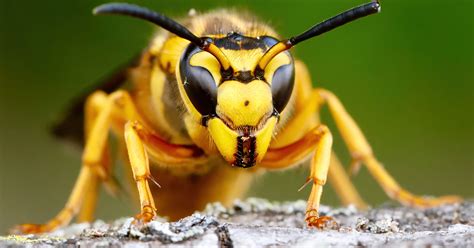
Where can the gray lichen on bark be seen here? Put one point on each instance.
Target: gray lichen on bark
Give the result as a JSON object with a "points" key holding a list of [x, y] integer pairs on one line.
{"points": [[258, 222]]}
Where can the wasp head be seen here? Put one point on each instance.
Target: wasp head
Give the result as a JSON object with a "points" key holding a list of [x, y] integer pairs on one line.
{"points": [[239, 104]]}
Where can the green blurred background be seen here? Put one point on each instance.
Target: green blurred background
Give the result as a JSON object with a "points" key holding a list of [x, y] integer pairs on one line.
{"points": [[406, 75]]}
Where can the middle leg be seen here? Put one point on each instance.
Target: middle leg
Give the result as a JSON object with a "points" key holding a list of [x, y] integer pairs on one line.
{"points": [[84, 192], [362, 153]]}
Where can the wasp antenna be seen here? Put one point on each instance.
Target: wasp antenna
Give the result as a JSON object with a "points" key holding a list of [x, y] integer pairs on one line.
{"points": [[149, 15], [164, 22], [337, 21], [321, 28]]}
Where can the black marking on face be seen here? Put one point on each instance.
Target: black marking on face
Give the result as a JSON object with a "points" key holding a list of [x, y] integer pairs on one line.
{"points": [[246, 157], [199, 84], [240, 76], [236, 41], [244, 76]]}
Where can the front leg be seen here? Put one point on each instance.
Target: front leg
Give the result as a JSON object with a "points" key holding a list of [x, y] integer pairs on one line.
{"points": [[319, 142], [103, 112], [141, 172]]}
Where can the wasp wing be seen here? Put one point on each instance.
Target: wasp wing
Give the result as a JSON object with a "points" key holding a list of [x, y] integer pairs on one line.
{"points": [[71, 126]]}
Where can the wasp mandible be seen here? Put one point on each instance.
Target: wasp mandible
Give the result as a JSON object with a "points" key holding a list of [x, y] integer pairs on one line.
{"points": [[212, 101]]}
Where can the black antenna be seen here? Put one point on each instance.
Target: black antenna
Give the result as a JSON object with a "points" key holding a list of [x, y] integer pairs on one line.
{"points": [[149, 15], [321, 28], [164, 22], [337, 21]]}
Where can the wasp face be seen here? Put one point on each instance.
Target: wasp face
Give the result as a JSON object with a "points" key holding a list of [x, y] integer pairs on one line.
{"points": [[240, 105]]}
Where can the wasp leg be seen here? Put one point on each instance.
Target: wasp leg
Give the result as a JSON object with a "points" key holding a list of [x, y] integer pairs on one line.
{"points": [[140, 142], [91, 110], [84, 192], [113, 111], [307, 105], [319, 142], [141, 171], [93, 107], [362, 153], [138, 136]]}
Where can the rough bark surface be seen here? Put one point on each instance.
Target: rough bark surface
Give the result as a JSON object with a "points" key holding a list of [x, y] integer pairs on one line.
{"points": [[259, 223]]}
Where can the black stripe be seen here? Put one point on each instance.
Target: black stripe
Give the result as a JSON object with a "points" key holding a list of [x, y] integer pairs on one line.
{"points": [[235, 41]]}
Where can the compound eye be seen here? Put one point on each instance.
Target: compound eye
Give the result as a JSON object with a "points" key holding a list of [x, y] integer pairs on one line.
{"points": [[198, 82], [282, 85]]}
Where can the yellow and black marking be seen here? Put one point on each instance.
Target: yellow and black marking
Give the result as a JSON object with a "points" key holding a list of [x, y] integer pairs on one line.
{"points": [[208, 94]]}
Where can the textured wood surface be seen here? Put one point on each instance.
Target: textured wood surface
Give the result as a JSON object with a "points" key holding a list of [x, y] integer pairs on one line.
{"points": [[257, 223]]}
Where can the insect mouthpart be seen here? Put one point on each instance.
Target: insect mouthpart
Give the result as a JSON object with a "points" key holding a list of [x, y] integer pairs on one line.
{"points": [[246, 155]]}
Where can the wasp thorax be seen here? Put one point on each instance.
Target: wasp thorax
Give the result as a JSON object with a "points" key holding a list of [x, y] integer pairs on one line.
{"points": [[241, 104]]}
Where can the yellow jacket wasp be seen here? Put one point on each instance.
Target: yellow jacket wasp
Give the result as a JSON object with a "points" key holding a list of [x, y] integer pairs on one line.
{"points": [[211, 102]]}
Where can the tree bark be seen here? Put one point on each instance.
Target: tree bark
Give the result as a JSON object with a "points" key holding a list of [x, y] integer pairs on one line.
{"points": [[258, 223]]}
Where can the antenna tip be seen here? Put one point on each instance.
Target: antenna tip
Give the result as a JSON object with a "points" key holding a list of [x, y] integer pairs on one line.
{"points": [[100, 9], [110, 8], [96, 11], [377, 6]]}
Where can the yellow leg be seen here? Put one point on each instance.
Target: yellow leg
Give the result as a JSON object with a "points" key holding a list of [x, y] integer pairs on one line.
{"points": [[319, 142], [114, 111], [69, 210], [141, 172], [88, 206], [99, 108], [137, 137], [92, 108], [362, 153], [318, 175]]}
